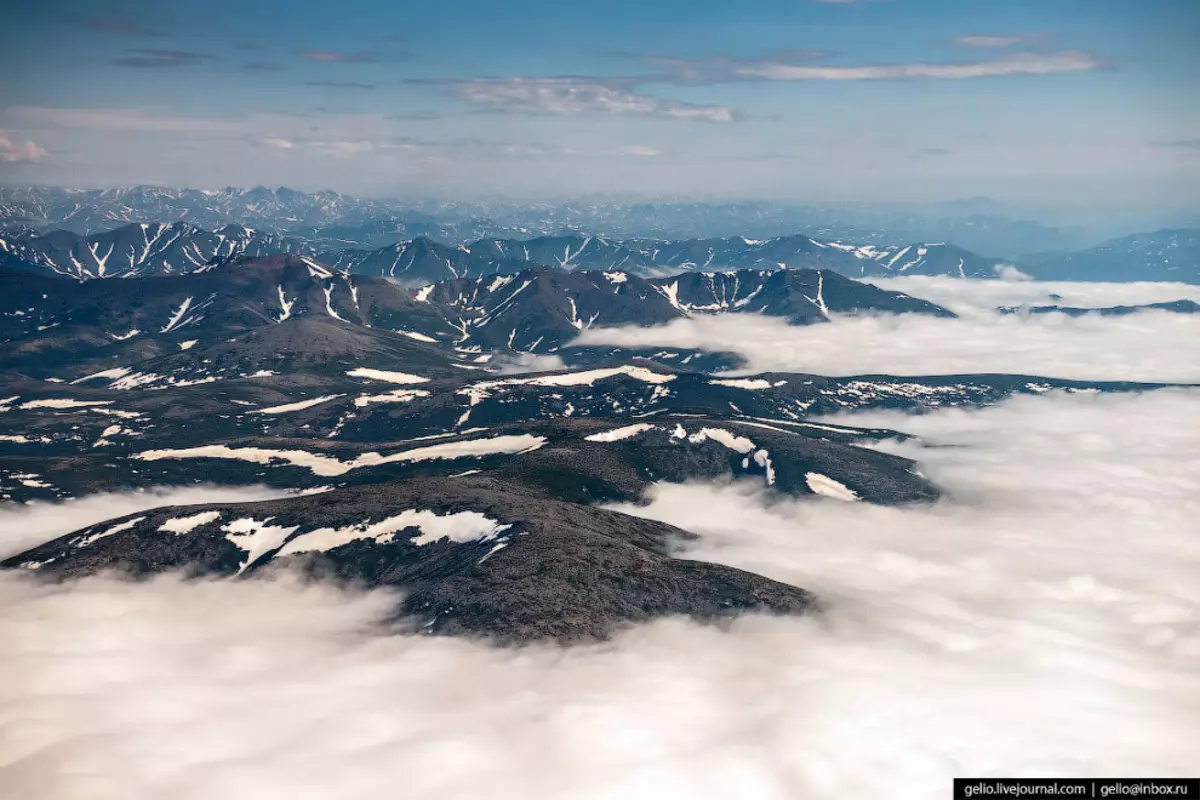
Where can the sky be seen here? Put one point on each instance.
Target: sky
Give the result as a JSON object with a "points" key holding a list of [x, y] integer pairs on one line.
{"points": [[1077, 102]]}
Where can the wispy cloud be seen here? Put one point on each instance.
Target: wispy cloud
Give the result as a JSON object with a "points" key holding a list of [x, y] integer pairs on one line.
{"points": [[341, 84], [150, 58], [1185, 144], [637, 151], [988, 41], [330, 56], [16, 151], [716, 68], [277, 143], [261, 66], [342, 149], [1016, 64], [563, 96]]}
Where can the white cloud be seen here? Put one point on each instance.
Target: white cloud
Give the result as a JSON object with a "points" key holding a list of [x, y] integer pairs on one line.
{"points": [[1150, 346], [987, 41], [981, 296], [638, 151], [1016, 64], [1043, 622], [26, 526], [562, 96], [343, 149], [15, 151], [278, 143]]}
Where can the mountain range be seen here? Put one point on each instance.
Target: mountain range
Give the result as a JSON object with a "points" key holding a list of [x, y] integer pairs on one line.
{"points": [[180, 247], [340, 220], [1165, 255], [415, 454]]}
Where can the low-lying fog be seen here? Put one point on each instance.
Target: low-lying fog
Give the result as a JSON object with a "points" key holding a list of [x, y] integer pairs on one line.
{"points": [[1043, 619], [1153, 346]]}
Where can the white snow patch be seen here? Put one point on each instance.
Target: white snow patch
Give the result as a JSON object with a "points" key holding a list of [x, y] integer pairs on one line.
{"points": [[394, 396], [330, 466], [298, 406], [63, 402], [256, 538], [110, 374], [617, 434], [828, 487], [89, 539], [181, 525], [385, 375], [744, 383], [461, 527], [175, 319], [420, 337]]}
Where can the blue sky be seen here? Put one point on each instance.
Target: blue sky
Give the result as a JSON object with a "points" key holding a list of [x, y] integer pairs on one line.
{"points": [[1078, 102]]}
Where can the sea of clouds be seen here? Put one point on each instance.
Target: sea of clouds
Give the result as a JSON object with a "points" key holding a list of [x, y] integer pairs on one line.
{"points": [[1153, 346], [1042, 619]]}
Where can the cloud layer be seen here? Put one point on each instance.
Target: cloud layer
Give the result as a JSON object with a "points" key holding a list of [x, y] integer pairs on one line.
{"points": [[561, 96], [1151, 346], [1041, 621]]}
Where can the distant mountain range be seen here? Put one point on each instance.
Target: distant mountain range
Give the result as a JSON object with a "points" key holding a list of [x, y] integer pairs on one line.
{"points": [[1166, 255], [180, 247], [151, 230], [336, 220]]}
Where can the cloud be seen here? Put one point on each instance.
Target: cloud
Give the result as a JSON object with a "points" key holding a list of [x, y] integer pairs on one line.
{"points": [[563, 96], [150, 58], [1186, 144], [790, 68], [1019, 627], [1151, 346], [31, 524], [341, 84], [278, 143], [342, 149], [329, 56], [17, 151], [988, 41], [637, 151], [261, 66]]}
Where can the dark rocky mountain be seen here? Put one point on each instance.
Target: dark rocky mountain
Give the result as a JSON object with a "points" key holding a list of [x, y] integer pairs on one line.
{"points": [[1166, 255], [423, 261], [285, 312], [1173, 306], [474, 555], [537, 311], [165, 249], [144, 249]]}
